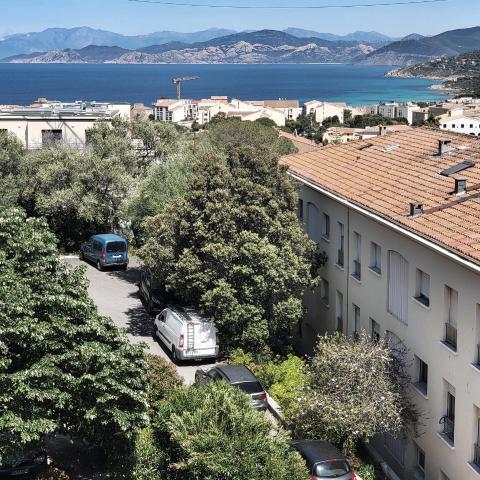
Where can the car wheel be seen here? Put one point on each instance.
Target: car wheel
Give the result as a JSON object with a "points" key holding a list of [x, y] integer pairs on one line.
{"points": [[174, 354], [99, 266]]}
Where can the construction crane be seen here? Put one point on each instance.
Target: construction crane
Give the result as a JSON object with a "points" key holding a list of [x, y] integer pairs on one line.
{"points": [[178, 83]]}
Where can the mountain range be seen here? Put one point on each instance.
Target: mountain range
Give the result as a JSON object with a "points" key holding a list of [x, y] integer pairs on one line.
{"points": [[80, 37]]}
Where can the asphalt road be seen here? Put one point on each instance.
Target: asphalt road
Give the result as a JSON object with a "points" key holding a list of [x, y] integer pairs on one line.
{"points": [[115, 293]]}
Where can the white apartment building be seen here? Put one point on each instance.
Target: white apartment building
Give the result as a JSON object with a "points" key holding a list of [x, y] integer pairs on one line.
{"points": [[47, 123], [399, 219], [291, 109], [468, 125], [394, 110], [175, 111], [323, 110]]}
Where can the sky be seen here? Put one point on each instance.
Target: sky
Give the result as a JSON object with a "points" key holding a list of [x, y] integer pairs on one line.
{"points": [[124, 16]]}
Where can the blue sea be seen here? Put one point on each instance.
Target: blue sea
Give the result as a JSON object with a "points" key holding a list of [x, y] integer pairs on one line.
{"points": [[356, 85]]}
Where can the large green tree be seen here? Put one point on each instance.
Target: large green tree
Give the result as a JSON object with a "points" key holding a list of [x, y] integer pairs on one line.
{"points": [[213, 433], [63, 368], [233, 247]]}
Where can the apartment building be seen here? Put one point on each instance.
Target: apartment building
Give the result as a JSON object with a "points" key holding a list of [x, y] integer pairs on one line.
{"points": [[46, 123], [468, 125], [291, 109], [395, 110], [398, 216], [323, 110]]}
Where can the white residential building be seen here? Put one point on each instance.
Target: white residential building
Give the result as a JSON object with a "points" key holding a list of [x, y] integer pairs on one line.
{"points": [[399, 219], [469, 125], [46, 123], [394, 110], [323, 110]]}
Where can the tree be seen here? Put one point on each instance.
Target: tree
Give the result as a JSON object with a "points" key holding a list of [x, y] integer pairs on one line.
{"points": [[12, 153], [331, 122], [358, 388], [233, 248], [306, 126], [213, 433], [63, 368], [267, 122]]}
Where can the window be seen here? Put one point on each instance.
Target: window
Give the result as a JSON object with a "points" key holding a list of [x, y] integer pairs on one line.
{"points": [[422, 290], [375, 258], [444, 125], [300, 209], [420, 460], [476, 446], [355, 318], [340, 244], [339, 311], [398, 286], [462, 125], [471, 125], [357, 255], [374, 330], [453, 125], [451, 307], [324, 291], [422, 375], [51, 137], [448, 420], [325, 226], [396, 447], [477, 349], [313, 227]]}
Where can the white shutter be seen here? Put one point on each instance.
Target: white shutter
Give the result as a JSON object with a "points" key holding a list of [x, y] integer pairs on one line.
{"points": [[313, 227], [398, 286]]}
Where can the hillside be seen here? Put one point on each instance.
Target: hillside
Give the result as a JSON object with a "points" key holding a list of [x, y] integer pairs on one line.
{"points": [[414, 50], [464, 65], [265, 46]]}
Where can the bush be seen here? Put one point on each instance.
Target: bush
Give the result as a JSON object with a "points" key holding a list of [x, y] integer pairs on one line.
{"points": [[149, 462], [53, 473], [367, 472], [213, 433], [284, 379], [163, 378]]}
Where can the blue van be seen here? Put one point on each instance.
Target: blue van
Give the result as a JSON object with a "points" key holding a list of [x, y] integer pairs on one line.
{"points": [[105, 251]]}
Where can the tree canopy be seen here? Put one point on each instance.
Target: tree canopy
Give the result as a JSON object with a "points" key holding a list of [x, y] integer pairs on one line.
{"points": [[63, 368]]}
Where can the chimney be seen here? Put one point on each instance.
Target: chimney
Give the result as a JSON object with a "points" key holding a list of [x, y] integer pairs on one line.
{"points": [[444, 147], [416, 209], [382, 130], [460, 186]]}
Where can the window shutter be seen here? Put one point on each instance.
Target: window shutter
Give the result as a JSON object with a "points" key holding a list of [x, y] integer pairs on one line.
{"points": [[398, 286]]}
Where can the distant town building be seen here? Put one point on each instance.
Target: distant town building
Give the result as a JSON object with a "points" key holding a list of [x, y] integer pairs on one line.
{"points": [[345, 134], [394, 110], [45, 123], [469, 125], [323, 110], [140, 111]]}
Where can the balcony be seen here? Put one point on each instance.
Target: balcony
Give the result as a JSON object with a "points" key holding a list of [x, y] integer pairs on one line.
{"points": [[476, 455], [340, 255], [357, 270], [448, 428], [451, 336]]}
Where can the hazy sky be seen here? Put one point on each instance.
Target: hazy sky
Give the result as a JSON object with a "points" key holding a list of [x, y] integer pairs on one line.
{"points": [[132, 18]]}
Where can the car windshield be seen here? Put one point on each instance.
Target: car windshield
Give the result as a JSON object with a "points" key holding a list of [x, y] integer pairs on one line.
{"points": [[250, 387], [331, 469], [116, 247]]}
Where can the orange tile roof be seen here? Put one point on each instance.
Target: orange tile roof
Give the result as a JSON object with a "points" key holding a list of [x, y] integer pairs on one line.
{"points": [[384, 174]]}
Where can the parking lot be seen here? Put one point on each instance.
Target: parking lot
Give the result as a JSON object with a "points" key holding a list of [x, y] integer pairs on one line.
{"points": [[116, 294]]}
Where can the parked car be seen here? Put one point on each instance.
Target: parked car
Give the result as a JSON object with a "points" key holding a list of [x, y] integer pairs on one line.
{"points": [[323, 460], [24, 463], [239, 376], [188, 335], [105, 251], [155, 297]]}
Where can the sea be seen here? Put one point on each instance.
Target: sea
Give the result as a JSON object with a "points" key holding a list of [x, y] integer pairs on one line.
{"points": [[20, 84]]}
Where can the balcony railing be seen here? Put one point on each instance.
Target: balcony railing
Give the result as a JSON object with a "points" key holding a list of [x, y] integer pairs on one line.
{"points": [[451, 336], [476, 454], [340, 255], [448, 428]]}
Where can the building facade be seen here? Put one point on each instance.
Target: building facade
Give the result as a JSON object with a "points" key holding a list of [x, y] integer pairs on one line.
{"points": [[404, 265], [462, 124], [324, 110]]}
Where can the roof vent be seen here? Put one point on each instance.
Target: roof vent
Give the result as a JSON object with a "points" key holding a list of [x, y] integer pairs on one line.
{"points": [[416, 209], [457, 168], [444, 147], [391, 148], [460, 186], [382, 130]]}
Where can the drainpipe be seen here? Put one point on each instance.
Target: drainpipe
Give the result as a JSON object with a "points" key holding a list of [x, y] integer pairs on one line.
{"points": [[347, 268]]}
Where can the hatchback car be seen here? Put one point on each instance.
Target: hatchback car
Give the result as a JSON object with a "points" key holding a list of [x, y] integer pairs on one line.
{"points": [[24, 463], [238, 376], [105, 250], [324, 461]]}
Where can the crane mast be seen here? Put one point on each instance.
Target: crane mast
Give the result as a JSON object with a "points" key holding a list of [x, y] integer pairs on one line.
{"points": [[178, 83]]}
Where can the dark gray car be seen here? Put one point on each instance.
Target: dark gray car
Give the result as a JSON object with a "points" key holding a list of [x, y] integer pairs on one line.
{"points": [[324, 461], [238, 376], [24, 463]]}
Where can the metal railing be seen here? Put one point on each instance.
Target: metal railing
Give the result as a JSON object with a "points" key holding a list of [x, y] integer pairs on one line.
{"points": [[340, 257], [451, 335], [476, 454], [448, 427]]}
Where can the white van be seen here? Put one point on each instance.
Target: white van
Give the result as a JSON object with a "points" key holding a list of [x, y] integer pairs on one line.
{"points": [[186, 334]]}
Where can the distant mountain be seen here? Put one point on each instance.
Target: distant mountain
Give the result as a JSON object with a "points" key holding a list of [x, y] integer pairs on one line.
{"points": [[413, 36], [412, 51], [80, 37], [359, 36], [463, 65], [265, 46]]}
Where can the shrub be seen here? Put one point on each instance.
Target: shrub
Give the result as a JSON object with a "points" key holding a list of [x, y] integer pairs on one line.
{"points": [[367, 472], [149, 462], [213, 433], [53, 473], [163, 378]]}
